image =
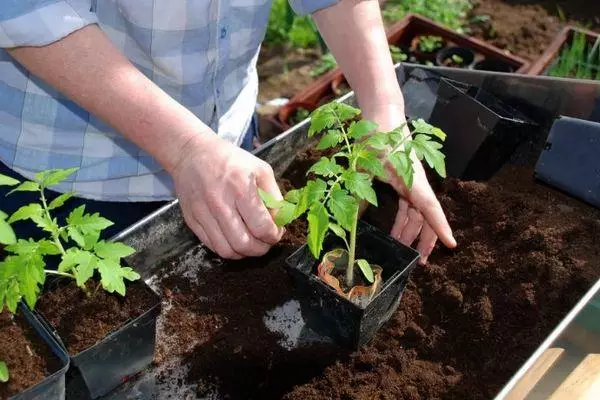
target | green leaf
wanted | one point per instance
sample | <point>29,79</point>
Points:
<point>403,165</point>
<point>30,246</point>
<point>378,141</point>
<point>53,177</point>
<point>326,167</point>
<point>113,276</point>
<point>85,228</point>
<point>27,212</point>
<point>369,162</point>
<point>313,192</point>
<point>343,207</point>
<point>359,184</point>
<point>293,196</point>
<point>112,250</point>
<point>3,372</point>
<point>344,111</point>
<point>269,200</point>
<point>26,186</point>
<point>7,181</point>
<point>429,150</point>
<point>318,222</point>
<point>285,214</point>
<point>420,126</point>
<point>338,230</point>
<point>21,276</point>
<point>60,200</point>
<point>7,235</point>
<point>320,119</point>
<point>45,223</point>
<point>76,235</point>
<point>331,139</point>
<point>361,128</point>
<point>3,215</point>
<point>366,270</point>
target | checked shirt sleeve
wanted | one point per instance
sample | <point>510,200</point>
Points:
<point>41,22</point>
<point>305,7</point>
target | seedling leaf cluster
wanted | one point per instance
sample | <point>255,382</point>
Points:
<point>76,242</point>
<point>331,198</point>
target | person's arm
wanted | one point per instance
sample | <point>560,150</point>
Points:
<point>216,182</point>
<point>355,34</point>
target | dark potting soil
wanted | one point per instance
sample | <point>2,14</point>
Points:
<point>28,358</point>
<point>467,321</point>
<point>83,321</point>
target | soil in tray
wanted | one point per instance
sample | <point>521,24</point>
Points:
<point>466,323</point>
<point>28,358</point>
<point>83,321</point>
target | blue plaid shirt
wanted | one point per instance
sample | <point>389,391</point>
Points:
<point>201,52</point>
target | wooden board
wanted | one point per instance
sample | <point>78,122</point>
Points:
<point>535,373</point>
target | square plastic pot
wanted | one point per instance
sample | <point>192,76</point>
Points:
<point>482,130</point>
<point>328,313</point>
<point>53,387</point>
<point>120,355</point>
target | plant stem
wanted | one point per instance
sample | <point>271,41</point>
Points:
<point>63,274</point>
<point>55,237</point>
<point>351,253</point>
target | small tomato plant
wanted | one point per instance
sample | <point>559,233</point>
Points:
<point>429,44</point>
<point>23,271</point>
<point>331,200</point>
<point>3,372</point>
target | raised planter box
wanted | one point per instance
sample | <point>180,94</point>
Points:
<point>552,53</point>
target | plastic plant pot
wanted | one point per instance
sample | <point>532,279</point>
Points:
<point>331,315</point>
<point>120,355</point>
<point>482,130</point>
<point>53,387</point>
<point>493,65</point>
<point>457,57</point>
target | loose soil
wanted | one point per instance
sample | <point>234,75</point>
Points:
<point>17,338</point>
<point>82,321</point>
<point>467,321</point>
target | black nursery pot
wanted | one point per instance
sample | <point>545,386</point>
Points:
<point>467,55</point>
<point>329,314</point>
<point>482,131</point>
<point>53,387</point>
<point>493,65</point>
<point>120,355</point>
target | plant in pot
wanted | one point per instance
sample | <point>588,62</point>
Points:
<point>457,57</point>
<point>351,280</point>
<point>424,47</point>
<point>84,264</point>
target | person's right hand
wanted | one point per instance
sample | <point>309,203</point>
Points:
<point>217,186</point>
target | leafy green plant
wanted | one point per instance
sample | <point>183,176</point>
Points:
<point>457,59</point>
<point>397,54</point>
<point>326,64</point>
<point>23,271</point>
<point>285,27</point>
<point>299,115</point>
<point>450,13</point>
<point>430,44</point>
<point>579,59</point>
<point>331,200</point>
<point>3,372</point>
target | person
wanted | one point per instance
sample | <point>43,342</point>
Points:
<point>151,99</point>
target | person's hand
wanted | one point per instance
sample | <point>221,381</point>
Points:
<point>217,186</point>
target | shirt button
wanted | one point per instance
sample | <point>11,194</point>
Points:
<point>223,33</point>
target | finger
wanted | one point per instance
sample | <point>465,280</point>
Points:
<point>413,226</point>
<point>401,217</point>
<point>257,218</point>
<point>197,229</point>
<point>436,219</point>
<point>215,235</point>
<point>239,237</point>
<point>426,243</point>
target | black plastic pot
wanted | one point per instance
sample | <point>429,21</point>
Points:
<point>120,355</point>
<point>493,65</point>
<point>482,130</point>
<point>53,387</point>
<point>328,313</point>
<point>467,56</point>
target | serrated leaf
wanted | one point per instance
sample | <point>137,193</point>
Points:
<point>29,246</point>
<point>361,128</point>
<point>113,276</point>
<point>112,250</point>
<point>83,226</point>
<point>60,200</point>
<point>371,163</point>
<point>269,200</point>
<point>76,236</point>
<point>343,207</point>
<point>331,139</point>
<point>293,196</point>
<point>8,181</point>
<point>7,235</point>
<point>344,111</point>
<point>45,223</point>
<point>326,167</point>
<point>359,184</point>
<point>366,270</point>
<point>403,165</point>
<point>27,212</point>
<point>318,223</point>
<point>321,119</point>
<point>4,377</point>
<point>378,141</point>
<point>285,214</point>
<point>429,150</point>
<point>420,126</point>
<point>313,192</point>
<point>338,230</point>
<point>84,270</point>
<point>26,186</point>
<point>53,177</point>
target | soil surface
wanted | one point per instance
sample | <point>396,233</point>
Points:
<point>467,321</point>
<point>28,358</point>
<point>83,321</point>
